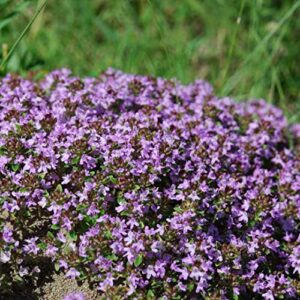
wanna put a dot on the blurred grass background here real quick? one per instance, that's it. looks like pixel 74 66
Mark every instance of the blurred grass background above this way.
pixel 245 49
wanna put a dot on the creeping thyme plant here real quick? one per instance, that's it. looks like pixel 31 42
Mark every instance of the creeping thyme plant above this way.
pixel 146 188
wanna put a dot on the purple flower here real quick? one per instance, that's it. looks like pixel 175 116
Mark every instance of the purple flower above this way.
pixel 268 295
pixel 74 296
pixel 5 256
pixel 88 162
pixel 3 161
pixel 30 246
pixel 108 282
pixel 131 181
pixel 295 259
pixel 72 273
pixel 63 264
pixel 8 235
pixel 150 272
pixel 51 250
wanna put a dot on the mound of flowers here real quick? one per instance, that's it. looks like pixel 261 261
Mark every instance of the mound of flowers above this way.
pixel 147 189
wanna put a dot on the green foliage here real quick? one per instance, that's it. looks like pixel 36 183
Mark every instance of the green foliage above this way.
pixel 7 56
pixel 246 48
pixel 138 260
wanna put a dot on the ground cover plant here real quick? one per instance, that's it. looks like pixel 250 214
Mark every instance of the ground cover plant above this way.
pixel 245 49
pixel 147 188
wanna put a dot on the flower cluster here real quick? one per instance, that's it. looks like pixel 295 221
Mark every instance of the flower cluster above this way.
pixel 147 188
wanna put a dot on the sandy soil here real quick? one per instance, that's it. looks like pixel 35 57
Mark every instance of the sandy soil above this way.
pixel 55 289
pixel 61 286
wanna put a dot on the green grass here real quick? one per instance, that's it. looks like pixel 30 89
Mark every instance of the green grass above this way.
pixel 245 49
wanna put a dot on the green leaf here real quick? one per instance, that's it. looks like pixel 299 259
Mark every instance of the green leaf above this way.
pixel 107 234
pixel 81 208
pixel 15 167
pixel 142 224
pixel 89 220
pixel 178 209
pixel 136 187
pixel 191 287
pixel 30 151
pixel 18 127
pixel 50 235
pixel 42 175
pixel 56 267
pixel 2 199
pixel 124 213
pixel 59 188
pixel 2 151
pixel 113 257
pixel 82 276
pixel 121 200
pixel 27 213
pixel 18 278
pixel 150 294
pixel 42 245
pixel 75 160
pixel 73 235
pixel 111 179
pixel 54 226
pixel 138 260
